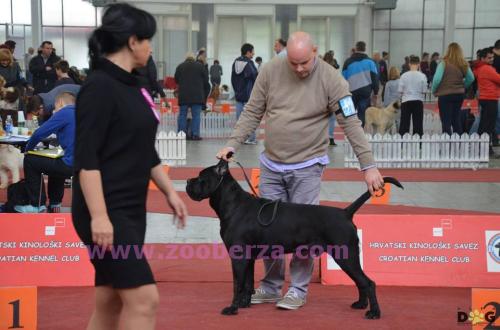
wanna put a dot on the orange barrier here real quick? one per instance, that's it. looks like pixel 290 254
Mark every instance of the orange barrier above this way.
pixel 152 185
pixel 254 179
pixel 18 308
pixel 383 197
pixel 424 250
pixel 42 250
pixel 226 108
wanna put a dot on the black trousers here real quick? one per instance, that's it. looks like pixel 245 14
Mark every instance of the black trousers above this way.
pixel 414 111
pixel 57 171
pixel 489 112
pixel 449 112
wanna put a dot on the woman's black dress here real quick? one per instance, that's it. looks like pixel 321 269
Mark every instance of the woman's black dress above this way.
pixel 115 134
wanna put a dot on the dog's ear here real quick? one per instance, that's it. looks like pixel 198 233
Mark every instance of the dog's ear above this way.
pixel 396 105
pixel 222 168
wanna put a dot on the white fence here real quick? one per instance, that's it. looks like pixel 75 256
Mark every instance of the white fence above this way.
pixel 430 151
pixel 171 147
pixel 212 124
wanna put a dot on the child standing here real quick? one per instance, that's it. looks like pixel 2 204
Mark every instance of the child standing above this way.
pixel 412 86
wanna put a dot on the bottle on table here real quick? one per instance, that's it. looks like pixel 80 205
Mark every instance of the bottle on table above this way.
pixel 9 125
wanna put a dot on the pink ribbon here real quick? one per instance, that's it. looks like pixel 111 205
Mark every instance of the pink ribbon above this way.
pixel 150 102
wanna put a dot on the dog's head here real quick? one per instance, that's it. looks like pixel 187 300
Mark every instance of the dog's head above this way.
pixel 396 105
pixel 208 181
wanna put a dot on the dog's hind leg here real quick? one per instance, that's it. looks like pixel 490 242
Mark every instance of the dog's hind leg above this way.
pixel 239 267
pixel 4 179
pixel 15 174
pixel 366 287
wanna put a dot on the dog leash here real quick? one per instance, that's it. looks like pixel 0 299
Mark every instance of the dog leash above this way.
pixel 276 202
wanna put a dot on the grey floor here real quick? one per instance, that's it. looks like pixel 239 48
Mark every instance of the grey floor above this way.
pixel 451 195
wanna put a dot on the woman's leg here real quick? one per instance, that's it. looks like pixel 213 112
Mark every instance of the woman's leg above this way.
pixel 445 113
pixel 455 115
pixel 106 314
pixel 139 307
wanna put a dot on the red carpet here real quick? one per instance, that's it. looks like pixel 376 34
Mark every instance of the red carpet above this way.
pixel 193 293
pixel 198 305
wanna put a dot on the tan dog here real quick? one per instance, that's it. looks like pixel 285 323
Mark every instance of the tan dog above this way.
pixel 11 159
pixel 378 120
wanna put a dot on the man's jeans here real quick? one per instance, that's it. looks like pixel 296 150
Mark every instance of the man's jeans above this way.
pixel 239 109
pixel 195 123
pixel 295 186
pixel 361 104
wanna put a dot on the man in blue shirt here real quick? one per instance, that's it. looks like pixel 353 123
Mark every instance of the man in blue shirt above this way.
pixel 62 123
pixel 43 104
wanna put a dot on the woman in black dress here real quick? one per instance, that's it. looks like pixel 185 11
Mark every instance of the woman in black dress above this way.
pixel 114 159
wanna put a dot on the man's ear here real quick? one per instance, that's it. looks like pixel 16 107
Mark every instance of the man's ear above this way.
pixel 222 168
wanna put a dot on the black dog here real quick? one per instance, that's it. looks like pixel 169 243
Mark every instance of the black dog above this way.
pixel 288 227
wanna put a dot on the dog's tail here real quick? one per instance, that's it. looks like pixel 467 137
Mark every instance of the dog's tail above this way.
pixel 351 209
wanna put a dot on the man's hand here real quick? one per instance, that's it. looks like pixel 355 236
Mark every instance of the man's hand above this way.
pixel 374 180
pixel 222 154
pixel 179 208
pixel 48 68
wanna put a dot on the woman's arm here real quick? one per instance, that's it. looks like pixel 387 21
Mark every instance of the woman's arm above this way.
pixel 101 226
pixel 164 183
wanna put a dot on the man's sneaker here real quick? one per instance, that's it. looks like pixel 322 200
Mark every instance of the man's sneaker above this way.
pixel 55 208
pixel 30 209
pixel 260 297
pixel 291 301
pixel 252 142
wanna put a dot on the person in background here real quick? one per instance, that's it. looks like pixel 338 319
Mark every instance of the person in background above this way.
pixel 434 64
pixel 43 104
pixel 62 69
pixel 383 69
pixel 406 65
pixel 62 123
pixel 391 92
pixel 114 160
pixel 280 47
pixel 496 65
pixel 192 81
pixel 215 74
pixel 10 70
pixel 412 87
pixel 329 58
pixel 361 73
pixel 488 82
pixel 258 60
pixel 425 66
pixel 243 77
pixel 27 59
pixel 148 78
pixel 453 75
pixel 42 68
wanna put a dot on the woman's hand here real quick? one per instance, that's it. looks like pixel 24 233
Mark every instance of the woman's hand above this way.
pixel 179 208
pixel 102 232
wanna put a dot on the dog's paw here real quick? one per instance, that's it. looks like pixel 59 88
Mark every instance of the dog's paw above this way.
pixel 245 302
pixel 372 314
pixel 359 304
pixel 230 310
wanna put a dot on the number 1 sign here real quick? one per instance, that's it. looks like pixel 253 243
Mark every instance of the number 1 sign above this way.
pixel 18 308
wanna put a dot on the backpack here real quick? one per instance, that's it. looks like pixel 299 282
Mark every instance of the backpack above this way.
pixel 16 195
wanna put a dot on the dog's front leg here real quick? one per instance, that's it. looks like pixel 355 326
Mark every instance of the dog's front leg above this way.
pixel 4 179
pixel 248 289
pixel 239 267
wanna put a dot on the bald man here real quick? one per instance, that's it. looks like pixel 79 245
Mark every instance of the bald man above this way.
pixel 297 95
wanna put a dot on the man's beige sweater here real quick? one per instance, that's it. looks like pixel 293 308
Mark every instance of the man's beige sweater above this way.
pixel 296 113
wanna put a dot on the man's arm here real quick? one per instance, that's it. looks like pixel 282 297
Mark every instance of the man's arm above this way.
pixel 51 126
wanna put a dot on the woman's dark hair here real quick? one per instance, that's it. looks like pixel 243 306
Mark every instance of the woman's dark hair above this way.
pixel 33 104
pixel 62 66
pixel 119 22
